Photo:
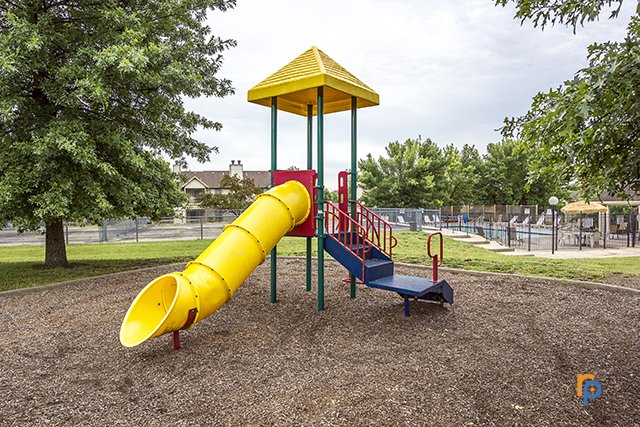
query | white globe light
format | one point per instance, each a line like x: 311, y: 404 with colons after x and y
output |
x: 553, y: 200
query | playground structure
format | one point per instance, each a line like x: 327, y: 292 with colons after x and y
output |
x: 361, y: 241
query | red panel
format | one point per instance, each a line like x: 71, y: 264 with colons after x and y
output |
x: 343, y: 198
x: 308, y: 179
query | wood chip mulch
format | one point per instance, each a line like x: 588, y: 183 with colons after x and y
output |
x: 506, y: 353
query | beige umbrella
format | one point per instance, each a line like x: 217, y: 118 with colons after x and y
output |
x: 583, y: 207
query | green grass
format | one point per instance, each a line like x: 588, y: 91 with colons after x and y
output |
x: 20, y: 266
x: 412, y: 248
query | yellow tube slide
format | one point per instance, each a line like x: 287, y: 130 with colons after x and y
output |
x: 178, y: 300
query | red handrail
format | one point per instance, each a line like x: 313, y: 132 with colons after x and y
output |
x: 347, y: 236
x: 379, y: 226
x: 437, y: 262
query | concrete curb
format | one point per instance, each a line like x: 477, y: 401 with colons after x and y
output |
x: 576, y: 283
x: 75, y: 281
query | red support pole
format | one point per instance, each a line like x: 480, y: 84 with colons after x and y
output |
x: 176, y: 340
x: 435, y: 268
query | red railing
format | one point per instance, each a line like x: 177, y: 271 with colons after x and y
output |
x: 379, y: 231
x: 351, y: 235
x: 437, y: 260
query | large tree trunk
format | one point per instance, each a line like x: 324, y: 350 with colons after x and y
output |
x: 55, y: 249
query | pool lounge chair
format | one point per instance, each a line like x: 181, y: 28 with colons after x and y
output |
x: 526, y: 220
x: 540, y: 221
x: 514, y: 220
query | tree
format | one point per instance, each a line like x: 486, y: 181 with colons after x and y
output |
x: 241, y: 194
x: 566, y: 12
x: 331, y: 195
x: 506, y: 180
x: 90, y: 100
x: 410, y: 175
x: 462, y: 175
x: 587, y: 129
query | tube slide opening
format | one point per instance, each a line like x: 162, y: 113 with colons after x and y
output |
x: 149, y: 310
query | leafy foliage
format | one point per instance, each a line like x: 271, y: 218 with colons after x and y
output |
x: 587, y: 129
x: 407, y: 177
x: 240, y: 195
x: 418, y: 174
x: 90, y: 98
x: 567, y: 12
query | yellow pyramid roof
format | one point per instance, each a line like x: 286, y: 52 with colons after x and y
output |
x: 295, y: 86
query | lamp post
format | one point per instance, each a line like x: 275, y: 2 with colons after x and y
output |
x: 553, y: 201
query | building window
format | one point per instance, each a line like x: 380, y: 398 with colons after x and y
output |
x: 194, y: 193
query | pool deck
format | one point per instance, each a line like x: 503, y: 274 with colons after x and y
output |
x: 563, y: 253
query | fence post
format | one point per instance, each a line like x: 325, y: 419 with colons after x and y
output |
x: 508, y: 234
x: 104, y: 231
x: 135, y: 221
x: 529, y: 241
x: 580, y: 238
x: 66, y: 231
x: 201, y: 230
x: 633, y: 219
x: 604, y: 231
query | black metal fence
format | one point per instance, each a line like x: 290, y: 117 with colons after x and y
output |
x: 527, y: 227
x: 581, y: 232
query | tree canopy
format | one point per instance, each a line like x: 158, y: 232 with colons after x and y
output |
x: 406, y: 177
x: 241, y: 194
x: 567, y: 12
x: 418, y: 174
x: 587, y: 129
x: 90, y: 100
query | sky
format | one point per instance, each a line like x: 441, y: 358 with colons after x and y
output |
x: 446, y: 70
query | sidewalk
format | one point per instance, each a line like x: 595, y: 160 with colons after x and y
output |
x: 585, y: 253
x: 563, y: 253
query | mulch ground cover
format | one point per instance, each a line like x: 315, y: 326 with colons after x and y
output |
x: 506, y: 353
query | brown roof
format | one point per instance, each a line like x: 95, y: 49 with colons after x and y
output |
x: 262, y: 179
x: 212, y: 179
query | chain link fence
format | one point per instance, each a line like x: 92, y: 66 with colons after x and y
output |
x: 132, y: 230
x: 526, y: 229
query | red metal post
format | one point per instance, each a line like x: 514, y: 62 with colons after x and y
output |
x: 176, y: 340
x: 435, y: 268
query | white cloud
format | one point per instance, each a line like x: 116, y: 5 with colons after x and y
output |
x: 450, y: 71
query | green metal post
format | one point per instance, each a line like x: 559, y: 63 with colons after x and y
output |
x: 320, y: 199
x: 354, y: 176
x: 309, y: 166
x: 274, y: 167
